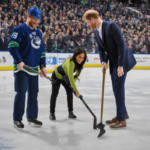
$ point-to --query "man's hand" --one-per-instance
(43, 73)
(20, 66)
(120, 71)
(78, 94)
(104, 66)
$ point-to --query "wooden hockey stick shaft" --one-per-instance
(32, 69)
(49, 78)
(102, 102)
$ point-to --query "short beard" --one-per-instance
(30, 23)
(93, 26)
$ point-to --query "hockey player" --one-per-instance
(27, 48)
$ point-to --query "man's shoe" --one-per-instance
(34, 121)
(71, 115)
(119, 124)
(18, 124)
(126, 116)
(114, 120)
(52, 117)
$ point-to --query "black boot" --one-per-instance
(34, 121)
(52, 117)
(18, 124)
(71, 115)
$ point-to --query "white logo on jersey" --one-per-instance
(14, 35)
(36, 42)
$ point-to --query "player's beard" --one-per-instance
(32, 24)
(93, 26)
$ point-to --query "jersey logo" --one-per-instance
(14, 35)
(36, 42)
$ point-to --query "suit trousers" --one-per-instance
(118, 84)
(25, 83)
(55, 91)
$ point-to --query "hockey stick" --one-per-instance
(101, 125)
(81, 97)
(49, 78)
(95, 118)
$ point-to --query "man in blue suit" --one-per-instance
(111, 46)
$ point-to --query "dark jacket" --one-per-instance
(66, 39)
(71, 48)
(148, 46)
(113, 43)
(73, 38)
(60, 44)
(83, 45)
(50, 42)
(3, 45)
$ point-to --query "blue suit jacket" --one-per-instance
(113, 43)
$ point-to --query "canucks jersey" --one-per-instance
(26, 46)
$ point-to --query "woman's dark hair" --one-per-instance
(78, 67)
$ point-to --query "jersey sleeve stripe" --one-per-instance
(14, 42)
(43, 55)
(28, 70)
(13, 45)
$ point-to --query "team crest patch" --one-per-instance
(36, 42)
(14, 35)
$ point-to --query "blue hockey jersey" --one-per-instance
(26, 46)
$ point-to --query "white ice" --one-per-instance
(67, 134)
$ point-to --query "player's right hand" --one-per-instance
(20, 66)
(78, 94)
(104, 66)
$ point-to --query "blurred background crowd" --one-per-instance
(62, 26)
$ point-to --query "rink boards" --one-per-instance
(55, 59)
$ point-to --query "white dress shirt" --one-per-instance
(100, 30)
(2, 39)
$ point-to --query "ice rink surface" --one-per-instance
(67, 134)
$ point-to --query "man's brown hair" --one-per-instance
(90, 14)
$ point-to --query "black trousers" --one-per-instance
(55, 91)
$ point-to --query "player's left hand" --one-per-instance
(43, 73)
(120, 71)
